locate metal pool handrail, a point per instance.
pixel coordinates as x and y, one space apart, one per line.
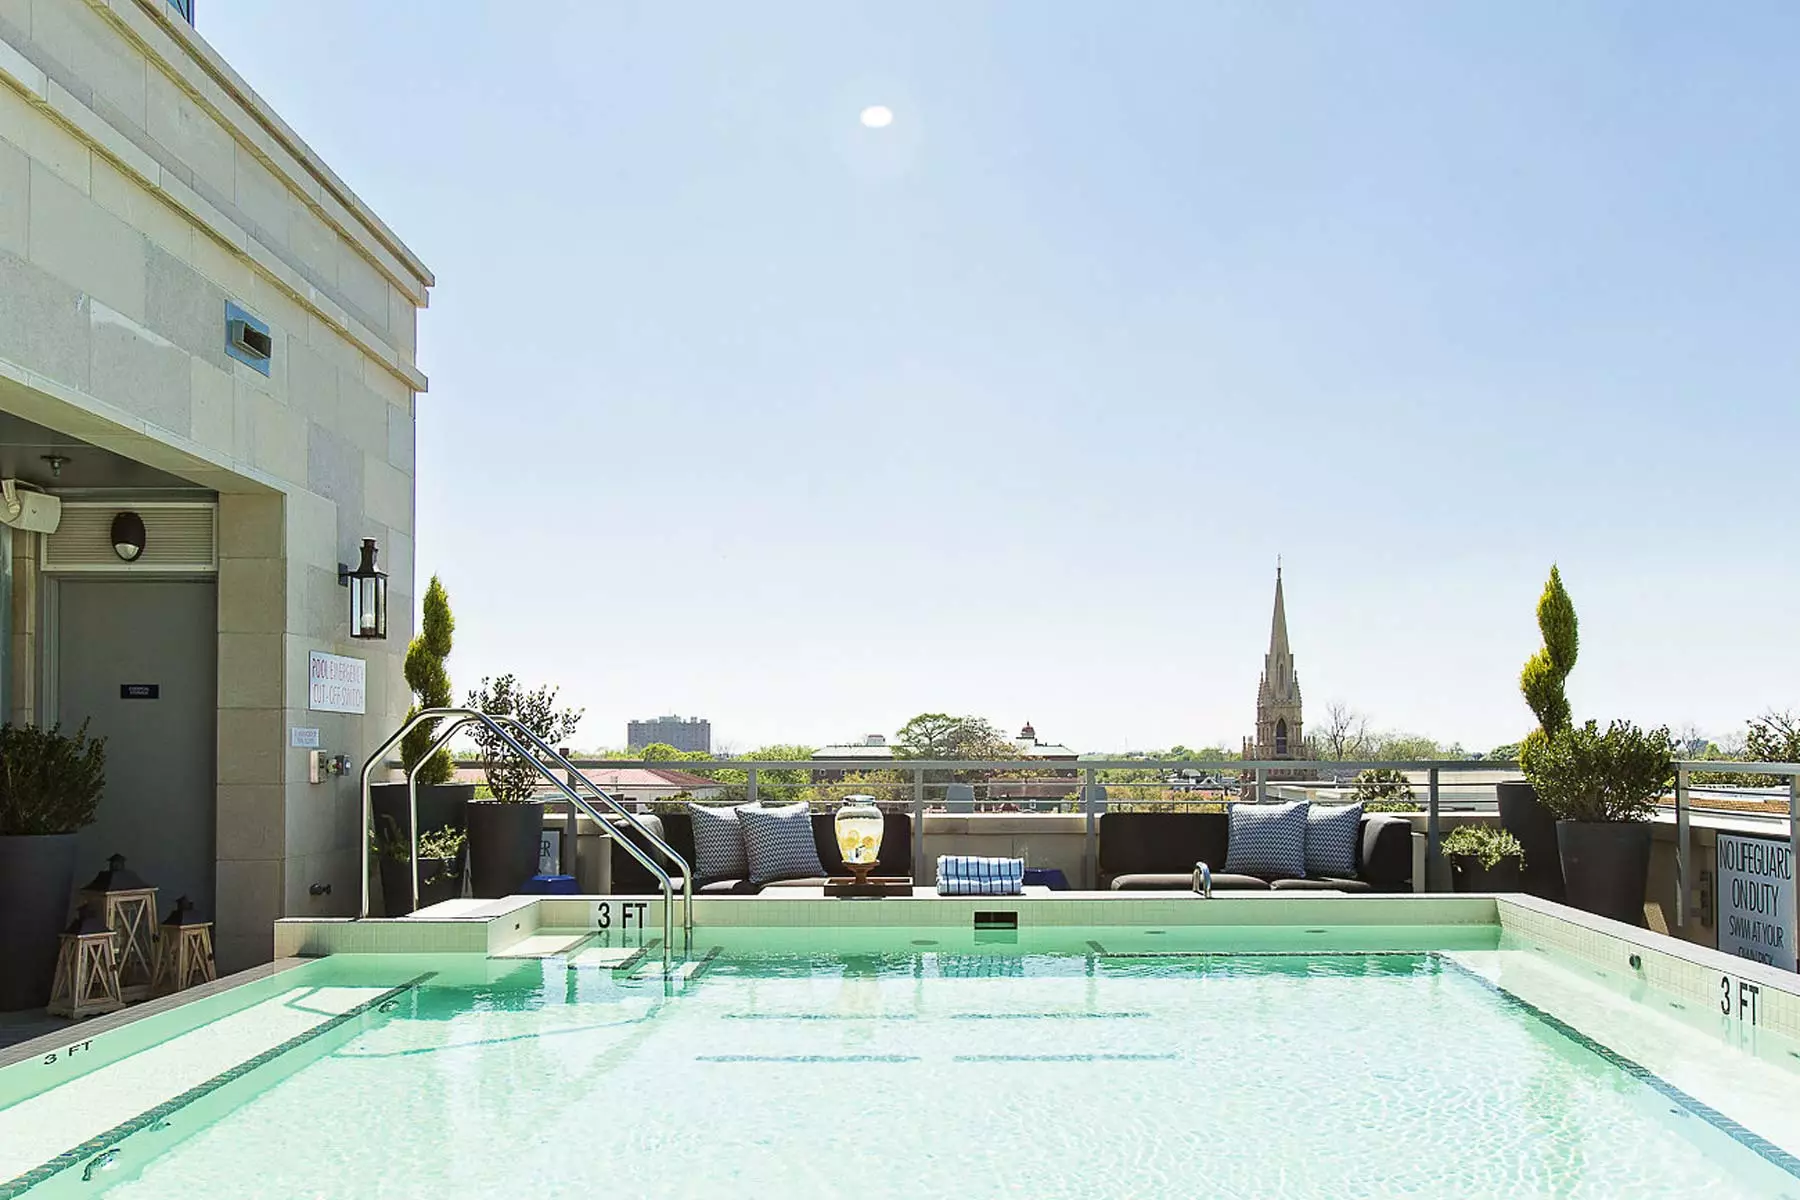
655 839
465 716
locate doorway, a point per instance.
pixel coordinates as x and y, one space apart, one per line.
138 660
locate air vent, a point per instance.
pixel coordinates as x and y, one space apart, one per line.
247 339
179 538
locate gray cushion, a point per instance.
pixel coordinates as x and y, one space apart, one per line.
1267 841
1321 885
718 843
1331 834
778 843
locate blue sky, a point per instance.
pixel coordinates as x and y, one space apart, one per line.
1009 408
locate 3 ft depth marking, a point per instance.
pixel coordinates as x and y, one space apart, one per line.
632 914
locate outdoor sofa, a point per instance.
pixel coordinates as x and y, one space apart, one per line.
1157 851
630 878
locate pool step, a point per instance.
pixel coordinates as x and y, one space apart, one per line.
542 945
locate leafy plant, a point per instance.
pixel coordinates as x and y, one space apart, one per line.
430 683
447 842
1391 806
1486 844
1582 774
49 782
512 777
1379 784
1548 670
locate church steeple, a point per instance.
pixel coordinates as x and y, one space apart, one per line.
1278 723
1278 637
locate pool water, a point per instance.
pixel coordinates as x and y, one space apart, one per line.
934 1065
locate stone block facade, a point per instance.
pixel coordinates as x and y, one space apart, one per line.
143 185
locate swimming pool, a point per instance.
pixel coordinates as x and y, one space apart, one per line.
1290 1062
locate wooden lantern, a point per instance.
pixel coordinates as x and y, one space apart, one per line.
184 953
128 906
87 970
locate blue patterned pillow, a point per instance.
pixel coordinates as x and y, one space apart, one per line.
778 842
1267 840
1331 835
718 843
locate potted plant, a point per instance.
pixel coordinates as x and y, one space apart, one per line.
441 802
50 785
506 830
1603 789
439 868
1542 680
1483 858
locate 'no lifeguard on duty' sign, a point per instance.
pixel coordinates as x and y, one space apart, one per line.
1756 899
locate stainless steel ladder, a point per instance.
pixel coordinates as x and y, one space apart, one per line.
499 724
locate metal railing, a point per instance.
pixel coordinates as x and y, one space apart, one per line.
1684 772
459 718
1449 786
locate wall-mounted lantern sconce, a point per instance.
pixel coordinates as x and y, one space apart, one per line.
128 536
368 594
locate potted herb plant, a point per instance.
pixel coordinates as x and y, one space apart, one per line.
1603 789
439 867
1542 682
50 785
1483 858
441 802
506 830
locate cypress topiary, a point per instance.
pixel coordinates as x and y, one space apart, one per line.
430 682
1546 671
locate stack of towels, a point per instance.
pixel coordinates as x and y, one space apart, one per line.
967 875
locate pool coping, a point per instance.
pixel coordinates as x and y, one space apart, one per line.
87 1029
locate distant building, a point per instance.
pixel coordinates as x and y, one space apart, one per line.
1050 787
872 749
1029 747
683 733
1279 733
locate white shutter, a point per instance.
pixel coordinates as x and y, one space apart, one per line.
180 537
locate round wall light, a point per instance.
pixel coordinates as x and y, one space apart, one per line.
128 536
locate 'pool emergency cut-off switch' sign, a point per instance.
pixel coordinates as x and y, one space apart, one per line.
338 684
1756 899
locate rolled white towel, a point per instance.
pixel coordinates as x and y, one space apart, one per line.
969 875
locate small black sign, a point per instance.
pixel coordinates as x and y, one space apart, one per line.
140 691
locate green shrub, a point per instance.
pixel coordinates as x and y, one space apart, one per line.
1548 670
430 683
1582 774
49 782
1384 786
447 842
512 778
1487 844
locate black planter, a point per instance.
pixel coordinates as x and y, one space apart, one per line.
1607 866
1524 816
503 846
440 805
37 887
440 879
1468 875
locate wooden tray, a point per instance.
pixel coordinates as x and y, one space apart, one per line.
878 885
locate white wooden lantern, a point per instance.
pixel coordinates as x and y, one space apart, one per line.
128 906
184 954
87 971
